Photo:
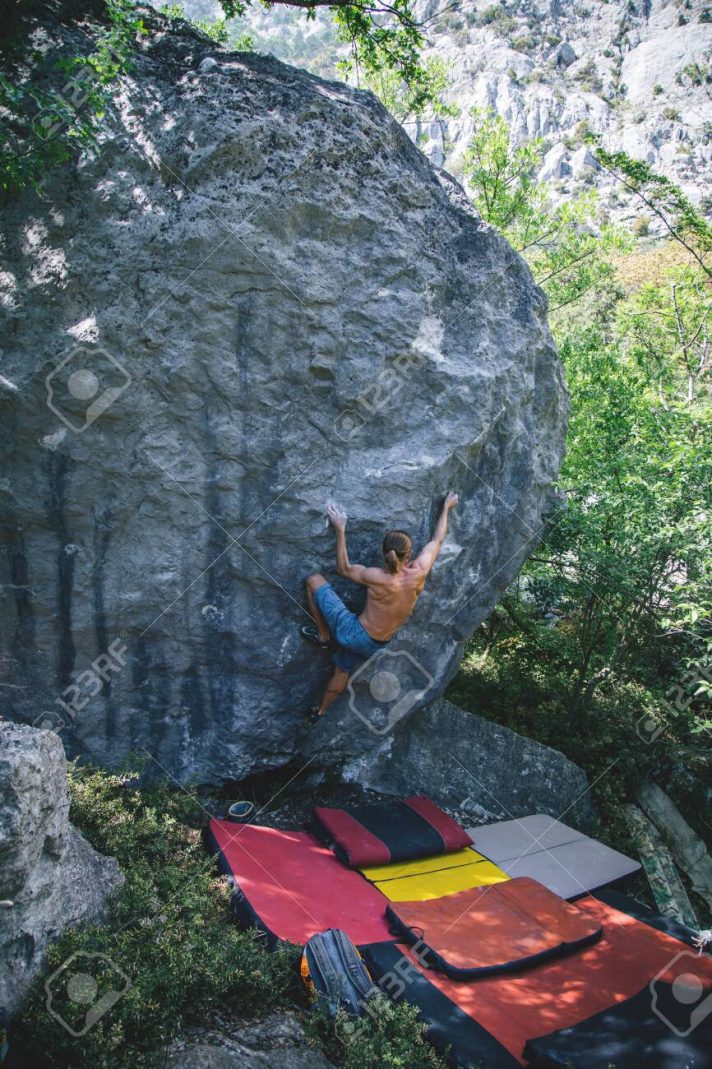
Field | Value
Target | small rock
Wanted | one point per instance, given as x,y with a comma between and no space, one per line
207,65
278,1042
564,55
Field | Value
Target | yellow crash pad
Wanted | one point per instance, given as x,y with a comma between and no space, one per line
434,877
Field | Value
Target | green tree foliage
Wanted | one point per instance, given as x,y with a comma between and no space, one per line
405,100
217,29
170,932
43,128
663,198
603,647
567,246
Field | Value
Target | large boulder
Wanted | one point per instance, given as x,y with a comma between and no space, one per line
50,877
258,296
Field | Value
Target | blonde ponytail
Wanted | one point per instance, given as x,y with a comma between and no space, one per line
397,548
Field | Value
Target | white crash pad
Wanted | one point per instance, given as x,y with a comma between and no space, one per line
563,859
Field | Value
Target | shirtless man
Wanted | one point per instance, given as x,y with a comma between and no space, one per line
392,593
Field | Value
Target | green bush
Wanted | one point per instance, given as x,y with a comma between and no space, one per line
45,128
389,1037
170,932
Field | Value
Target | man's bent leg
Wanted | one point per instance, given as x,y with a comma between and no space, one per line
335,687
313,583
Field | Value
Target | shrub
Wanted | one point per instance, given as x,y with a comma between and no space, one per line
390,1037
657,89
523,43
589,77
672,114
496,16
170,931
641,226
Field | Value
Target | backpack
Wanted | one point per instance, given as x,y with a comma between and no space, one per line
333,970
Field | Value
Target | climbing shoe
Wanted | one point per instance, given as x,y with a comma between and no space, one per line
312,635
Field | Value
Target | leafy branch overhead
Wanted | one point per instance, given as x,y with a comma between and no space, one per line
47,127
662,197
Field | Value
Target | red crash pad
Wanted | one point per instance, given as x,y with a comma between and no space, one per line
534,1002
295,886
498,928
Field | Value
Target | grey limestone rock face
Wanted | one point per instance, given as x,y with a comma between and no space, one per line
50,877
473,765
258,296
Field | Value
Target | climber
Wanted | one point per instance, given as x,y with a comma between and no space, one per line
392,592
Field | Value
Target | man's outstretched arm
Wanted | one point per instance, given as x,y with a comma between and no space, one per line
428,555
355,572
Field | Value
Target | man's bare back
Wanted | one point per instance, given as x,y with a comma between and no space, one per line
390,599
391,596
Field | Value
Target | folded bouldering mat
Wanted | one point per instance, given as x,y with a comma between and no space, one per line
506,926
433,877
451,1030
291,887
519,1008
563,859
365,835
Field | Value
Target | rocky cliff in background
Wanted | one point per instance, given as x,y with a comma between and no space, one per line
50,877
639,73
257,297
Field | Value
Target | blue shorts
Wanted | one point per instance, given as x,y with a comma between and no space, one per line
354,642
